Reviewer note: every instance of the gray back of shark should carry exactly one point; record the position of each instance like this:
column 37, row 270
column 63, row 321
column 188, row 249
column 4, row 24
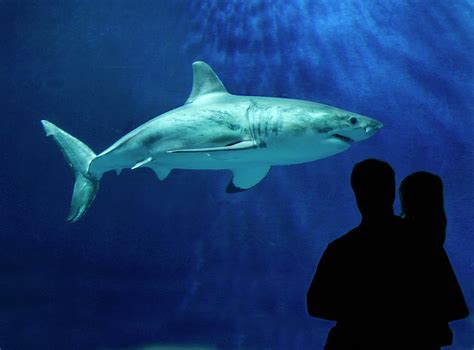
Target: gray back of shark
column 217, row 130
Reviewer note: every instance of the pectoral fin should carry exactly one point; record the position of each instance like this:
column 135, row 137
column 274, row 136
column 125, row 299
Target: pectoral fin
column 245, row 178
column 243, row 145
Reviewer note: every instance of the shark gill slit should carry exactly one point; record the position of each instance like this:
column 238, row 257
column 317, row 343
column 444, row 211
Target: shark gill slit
column 254, row 117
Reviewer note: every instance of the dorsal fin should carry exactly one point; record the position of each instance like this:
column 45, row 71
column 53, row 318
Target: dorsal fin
column 205, row 82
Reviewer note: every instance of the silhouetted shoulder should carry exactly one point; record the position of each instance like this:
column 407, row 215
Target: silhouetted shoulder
column 348, row 238
column 395, row 228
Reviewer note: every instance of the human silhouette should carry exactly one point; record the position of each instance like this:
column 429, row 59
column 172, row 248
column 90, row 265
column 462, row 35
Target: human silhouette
column 422, row 203
column 439, row 298
column 366, row 280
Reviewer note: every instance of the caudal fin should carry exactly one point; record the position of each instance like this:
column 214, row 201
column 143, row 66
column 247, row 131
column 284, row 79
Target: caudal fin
column 79, row 156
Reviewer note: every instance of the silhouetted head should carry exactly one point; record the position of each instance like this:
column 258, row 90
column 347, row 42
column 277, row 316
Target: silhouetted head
column 421, row 197
column 373, row 182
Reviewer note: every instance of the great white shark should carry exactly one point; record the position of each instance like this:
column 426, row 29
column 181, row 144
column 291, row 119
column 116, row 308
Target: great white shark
column 216, row 130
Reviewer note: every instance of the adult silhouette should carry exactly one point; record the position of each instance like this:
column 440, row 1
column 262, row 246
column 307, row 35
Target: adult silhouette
column 366, row 280
column 438, row 298
column 358, row 281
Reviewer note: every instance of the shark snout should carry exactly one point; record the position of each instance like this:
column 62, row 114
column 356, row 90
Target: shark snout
column 373, row 127
column 367, row 128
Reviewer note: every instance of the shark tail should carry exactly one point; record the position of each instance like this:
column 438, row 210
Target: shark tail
column 79, row 156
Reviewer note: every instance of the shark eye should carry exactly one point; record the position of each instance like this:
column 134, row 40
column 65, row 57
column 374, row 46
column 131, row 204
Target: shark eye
column 353, row 120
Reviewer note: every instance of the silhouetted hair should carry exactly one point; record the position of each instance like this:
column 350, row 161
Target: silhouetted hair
column 421, row 197
column 373, row 182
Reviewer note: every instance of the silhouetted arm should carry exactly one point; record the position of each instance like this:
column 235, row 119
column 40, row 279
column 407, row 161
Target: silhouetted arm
column 322, row 298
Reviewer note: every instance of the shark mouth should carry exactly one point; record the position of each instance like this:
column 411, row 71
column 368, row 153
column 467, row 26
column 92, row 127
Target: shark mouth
column 343, row 138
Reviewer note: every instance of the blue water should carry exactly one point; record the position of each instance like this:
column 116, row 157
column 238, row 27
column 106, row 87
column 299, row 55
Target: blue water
column 181, row 262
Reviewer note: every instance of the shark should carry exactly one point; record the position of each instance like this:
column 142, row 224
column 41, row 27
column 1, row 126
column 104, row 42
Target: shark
column 216, row 130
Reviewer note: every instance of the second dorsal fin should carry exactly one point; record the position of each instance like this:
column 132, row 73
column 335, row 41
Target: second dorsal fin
column 205, row 82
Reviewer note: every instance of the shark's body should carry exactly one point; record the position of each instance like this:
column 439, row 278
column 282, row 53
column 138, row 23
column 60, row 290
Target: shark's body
column 217, row 130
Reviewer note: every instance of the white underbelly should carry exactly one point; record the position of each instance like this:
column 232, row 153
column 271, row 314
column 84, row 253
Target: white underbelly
column 212, row 160
column 240, row 158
